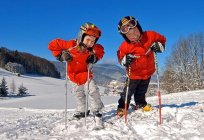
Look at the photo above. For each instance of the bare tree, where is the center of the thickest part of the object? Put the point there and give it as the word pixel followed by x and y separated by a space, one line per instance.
pixel 184 68
pixel 13 87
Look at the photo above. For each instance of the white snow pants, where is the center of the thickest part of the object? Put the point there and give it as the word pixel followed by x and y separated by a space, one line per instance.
pixel 95 98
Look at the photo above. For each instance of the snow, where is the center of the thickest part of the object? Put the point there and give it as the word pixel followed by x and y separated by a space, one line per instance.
pixel 42 115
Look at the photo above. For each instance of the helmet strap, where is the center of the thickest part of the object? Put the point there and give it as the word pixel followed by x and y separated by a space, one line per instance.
pixel 81 44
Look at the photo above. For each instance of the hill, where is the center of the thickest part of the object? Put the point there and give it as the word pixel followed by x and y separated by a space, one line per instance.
pixel 45 92
pixel 32 64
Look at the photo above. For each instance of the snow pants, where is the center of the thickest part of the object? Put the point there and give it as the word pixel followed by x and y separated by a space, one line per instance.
pixel 95 98
pixel 138 88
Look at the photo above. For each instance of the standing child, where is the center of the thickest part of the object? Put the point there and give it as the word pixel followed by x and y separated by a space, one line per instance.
pixel 79 53
pixel 136 53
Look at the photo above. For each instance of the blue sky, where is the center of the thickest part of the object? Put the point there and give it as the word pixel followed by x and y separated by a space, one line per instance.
pixel 29 25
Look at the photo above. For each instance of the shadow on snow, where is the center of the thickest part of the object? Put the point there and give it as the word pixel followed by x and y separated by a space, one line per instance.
pixel 179 106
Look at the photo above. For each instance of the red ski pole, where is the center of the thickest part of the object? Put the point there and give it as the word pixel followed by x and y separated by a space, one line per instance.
pixel 127 90
pixel 158 89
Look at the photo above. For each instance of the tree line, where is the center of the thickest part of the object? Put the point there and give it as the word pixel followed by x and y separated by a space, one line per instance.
pixel 31 63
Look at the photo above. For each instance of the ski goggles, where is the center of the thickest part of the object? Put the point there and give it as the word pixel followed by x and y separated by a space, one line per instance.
pixel 92 32
pixel 124 29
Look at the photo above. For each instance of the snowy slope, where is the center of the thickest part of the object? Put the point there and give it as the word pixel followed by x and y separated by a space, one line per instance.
pixel 46 92
pixel 183 116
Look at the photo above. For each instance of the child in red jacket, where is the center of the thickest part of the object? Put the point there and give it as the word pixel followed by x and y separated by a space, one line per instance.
pixel 79 54
pixel 136 53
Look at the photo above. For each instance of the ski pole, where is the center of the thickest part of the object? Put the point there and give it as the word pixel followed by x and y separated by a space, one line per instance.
pixel 158 88
pixel 66 96
pixel 86 108
pixel 126 96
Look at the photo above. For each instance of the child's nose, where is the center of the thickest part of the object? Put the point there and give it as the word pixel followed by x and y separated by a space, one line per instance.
pixel 89 43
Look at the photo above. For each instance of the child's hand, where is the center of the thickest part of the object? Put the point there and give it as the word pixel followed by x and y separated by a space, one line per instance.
pixel 157 47
pixel 127 60
pixel 65 56
pixel 91 59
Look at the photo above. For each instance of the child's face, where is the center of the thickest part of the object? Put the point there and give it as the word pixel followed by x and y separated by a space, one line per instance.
pixel 133 35
pixel 89 40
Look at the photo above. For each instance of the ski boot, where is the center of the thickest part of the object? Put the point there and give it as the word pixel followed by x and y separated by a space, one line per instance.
pixel 144 107
pixel 137 106
pixel 147 108
pixel 120 112
pixel 98 120
pixel 79 115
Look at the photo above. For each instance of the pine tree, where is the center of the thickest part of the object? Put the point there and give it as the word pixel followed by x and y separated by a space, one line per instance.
pixel 22 90
pixel 3 88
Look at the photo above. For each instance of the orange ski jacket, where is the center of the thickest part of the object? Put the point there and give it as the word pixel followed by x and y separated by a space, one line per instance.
pixel 143 66
pixel 77 68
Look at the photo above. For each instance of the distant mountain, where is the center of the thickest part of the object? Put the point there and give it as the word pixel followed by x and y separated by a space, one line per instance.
pixel 103 73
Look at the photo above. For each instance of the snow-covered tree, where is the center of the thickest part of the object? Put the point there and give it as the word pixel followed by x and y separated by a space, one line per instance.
pixel 3 88
pixel 184 68
pixel 22 90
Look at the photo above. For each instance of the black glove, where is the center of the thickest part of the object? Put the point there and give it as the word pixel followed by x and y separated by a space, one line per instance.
pixel 90 49
pixel 127 60
pixel 65 56
pixel 157 47
pixel 91 59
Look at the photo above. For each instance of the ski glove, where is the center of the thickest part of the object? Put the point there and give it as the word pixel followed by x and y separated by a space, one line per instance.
pixel 127 60
pixel 65 56
pixel 90 49
pixel 91 59
pixel 158 47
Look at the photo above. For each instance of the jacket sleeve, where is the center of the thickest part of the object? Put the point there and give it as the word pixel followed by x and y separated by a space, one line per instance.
pixel 56 46
pixel 154 36
pixel 160 38
pixel 121 52
pixel 99 51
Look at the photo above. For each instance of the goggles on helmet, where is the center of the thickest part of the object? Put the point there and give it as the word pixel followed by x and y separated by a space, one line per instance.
pixel 125 28
pixel 92 32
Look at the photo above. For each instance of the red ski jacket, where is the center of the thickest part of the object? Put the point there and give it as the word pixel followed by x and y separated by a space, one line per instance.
pixel 77 68
pixel 143 66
